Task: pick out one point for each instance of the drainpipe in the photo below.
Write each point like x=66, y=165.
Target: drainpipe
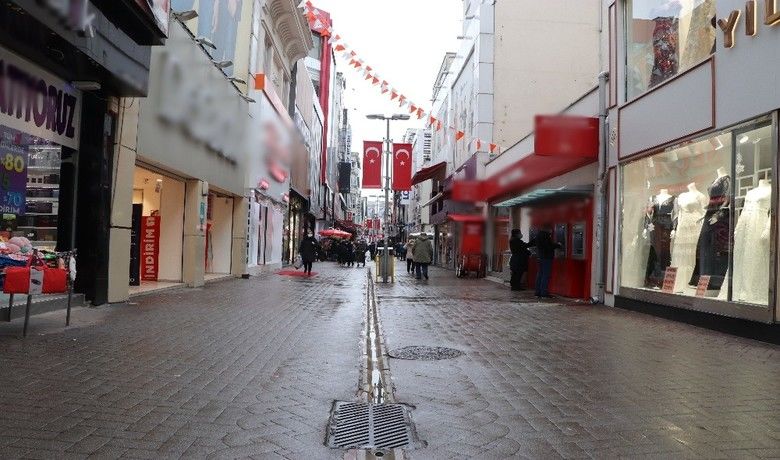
x=601, y=190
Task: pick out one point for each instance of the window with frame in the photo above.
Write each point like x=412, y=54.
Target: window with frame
x=665, y=38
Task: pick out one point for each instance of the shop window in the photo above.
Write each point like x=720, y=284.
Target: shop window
x=30, y=181
x=664, y=38
x=696, y=218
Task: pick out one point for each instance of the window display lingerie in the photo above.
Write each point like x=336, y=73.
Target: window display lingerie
x=714, y=243
x=659, y=223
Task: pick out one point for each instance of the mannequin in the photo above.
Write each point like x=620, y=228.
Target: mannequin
x=713, y=247
x=659, y=222
x=751, y=247
x=690, y=211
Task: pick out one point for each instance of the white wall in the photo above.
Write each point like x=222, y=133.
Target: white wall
x=171, y=229
x=220, y=239
x=546, y=56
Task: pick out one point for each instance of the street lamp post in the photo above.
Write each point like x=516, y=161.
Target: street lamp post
x=388, y=153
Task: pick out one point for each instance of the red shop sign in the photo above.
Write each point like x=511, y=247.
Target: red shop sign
x=150, y=247
x=566, y=135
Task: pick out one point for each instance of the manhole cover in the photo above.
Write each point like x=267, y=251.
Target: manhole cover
x=423, y=353
x=370, y=426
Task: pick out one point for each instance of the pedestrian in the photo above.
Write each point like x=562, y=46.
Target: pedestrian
x=518, y=263
x=308, y=250
x=545, y=253
x=372, y=250
x=409, y=251
x=360, y=252
x=350, y=249
x=422, y=255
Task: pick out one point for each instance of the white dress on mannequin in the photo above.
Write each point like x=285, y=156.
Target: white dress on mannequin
x=750, y=279
x=690, y=212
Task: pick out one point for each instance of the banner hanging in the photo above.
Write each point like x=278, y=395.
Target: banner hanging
x=402, y=167
x=372, y=164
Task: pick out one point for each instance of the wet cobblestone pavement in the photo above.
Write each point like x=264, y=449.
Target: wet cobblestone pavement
x=545, y=380
x=250, y=368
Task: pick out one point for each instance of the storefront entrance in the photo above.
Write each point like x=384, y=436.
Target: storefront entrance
x=219, y=229
x=156, y=248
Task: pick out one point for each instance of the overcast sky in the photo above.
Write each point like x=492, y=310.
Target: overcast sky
x=403, y=40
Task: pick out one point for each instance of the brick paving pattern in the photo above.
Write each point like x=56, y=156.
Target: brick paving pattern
x=250, y=368
x=241, y=368
x=547, y=380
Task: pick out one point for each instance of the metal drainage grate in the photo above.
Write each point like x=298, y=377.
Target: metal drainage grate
x=369, y=426
x=423, y=353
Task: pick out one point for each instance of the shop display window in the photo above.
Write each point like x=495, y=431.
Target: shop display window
x=29, y=189
x=696, y=218
x=664, y=38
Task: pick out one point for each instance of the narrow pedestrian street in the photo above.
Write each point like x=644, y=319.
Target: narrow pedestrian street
x=251, y=368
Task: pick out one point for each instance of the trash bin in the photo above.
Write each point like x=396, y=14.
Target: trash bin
x=506, y=273
x=380, y=266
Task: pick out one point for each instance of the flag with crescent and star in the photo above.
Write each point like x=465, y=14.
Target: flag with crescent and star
x=402, y=167
x=372, y=164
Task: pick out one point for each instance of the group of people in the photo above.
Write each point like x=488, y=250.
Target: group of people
x=419, y=255
x=545, y=252
x=348, y=252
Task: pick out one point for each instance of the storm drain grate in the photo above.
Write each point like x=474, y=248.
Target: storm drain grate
x=369, y=426
x=424, y=353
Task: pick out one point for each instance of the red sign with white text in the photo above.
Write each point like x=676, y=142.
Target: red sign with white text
x=372, y=164
x=402, y=167
x=150, y=247
x=566, y=135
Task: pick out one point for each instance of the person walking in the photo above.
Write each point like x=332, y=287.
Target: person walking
x=350, y=253
x=308, y=251
x=360, y=253
x=422, y=255
x=409, y=251
x=545, y=252
x=518, y=263
x=372, y=250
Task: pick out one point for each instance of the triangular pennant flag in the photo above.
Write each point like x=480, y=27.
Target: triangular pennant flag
x=393, y=95
x=479, y=144
x=353, y=53
x=375, y=81
x=431, y=121
x=352, y=62
x=493, y=148
x=368, y=76
x=420, y=114
x=369, y=68
x=340, y=48
x=401, y=101
x=438, y=125
x=337, y=37
x=384, y=89
x=412, y=108
x=459, y=135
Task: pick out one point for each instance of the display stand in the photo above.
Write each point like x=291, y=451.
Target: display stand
x=66, y=257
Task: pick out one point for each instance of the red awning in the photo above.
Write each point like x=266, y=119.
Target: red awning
x=465, y=217
x=530, y=171
x=428, y=173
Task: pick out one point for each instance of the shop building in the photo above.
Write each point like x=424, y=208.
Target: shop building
x=692, y=157
x=61, y=75
x=179, y=206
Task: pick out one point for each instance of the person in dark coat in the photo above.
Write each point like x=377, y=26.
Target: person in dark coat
x=518, y=264
x=360, y=253
x=545, y=252
x=372, y=250
x=308, y=250
x=350, y=253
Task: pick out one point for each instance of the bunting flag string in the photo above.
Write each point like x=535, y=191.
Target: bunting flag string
x=319, y=23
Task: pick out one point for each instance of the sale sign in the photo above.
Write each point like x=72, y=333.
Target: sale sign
x=13, y=181
x=150, y=247
x=670, y=276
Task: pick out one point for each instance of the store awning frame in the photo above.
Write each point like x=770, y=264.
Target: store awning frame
x=466, y=217
x=433, y=200
x=428, y=173
x=545, y=194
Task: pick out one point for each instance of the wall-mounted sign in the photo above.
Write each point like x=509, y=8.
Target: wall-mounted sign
x=150, y=247
x=13, y=181
x=670, y=275
x=37, y=103
x=566, y=135
x=729, y=25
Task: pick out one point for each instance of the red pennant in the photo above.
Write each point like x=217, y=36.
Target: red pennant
x=340, y=48
x=372, y=164
x=337, y=37
x=384, y=89
x=368, y=76
x=402, y=99
x=438, y=125
x=393, y=95
x=420, y=114
x=479, y=144
x=493, y=148
x=375, y=81
x=402, y=167
x=369, y=68
x=412, y=108
x=459, y=135
x=431, y=121
x=353, y=53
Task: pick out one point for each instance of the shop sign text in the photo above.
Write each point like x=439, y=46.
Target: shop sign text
x=729, y=25
x=150, y=247
x=13, y=182
x=36, y=103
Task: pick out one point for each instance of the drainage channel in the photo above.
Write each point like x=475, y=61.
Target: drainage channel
x=376, y=426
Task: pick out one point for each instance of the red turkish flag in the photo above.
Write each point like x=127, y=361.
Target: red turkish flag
x=402, y=167
x=372, y=164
